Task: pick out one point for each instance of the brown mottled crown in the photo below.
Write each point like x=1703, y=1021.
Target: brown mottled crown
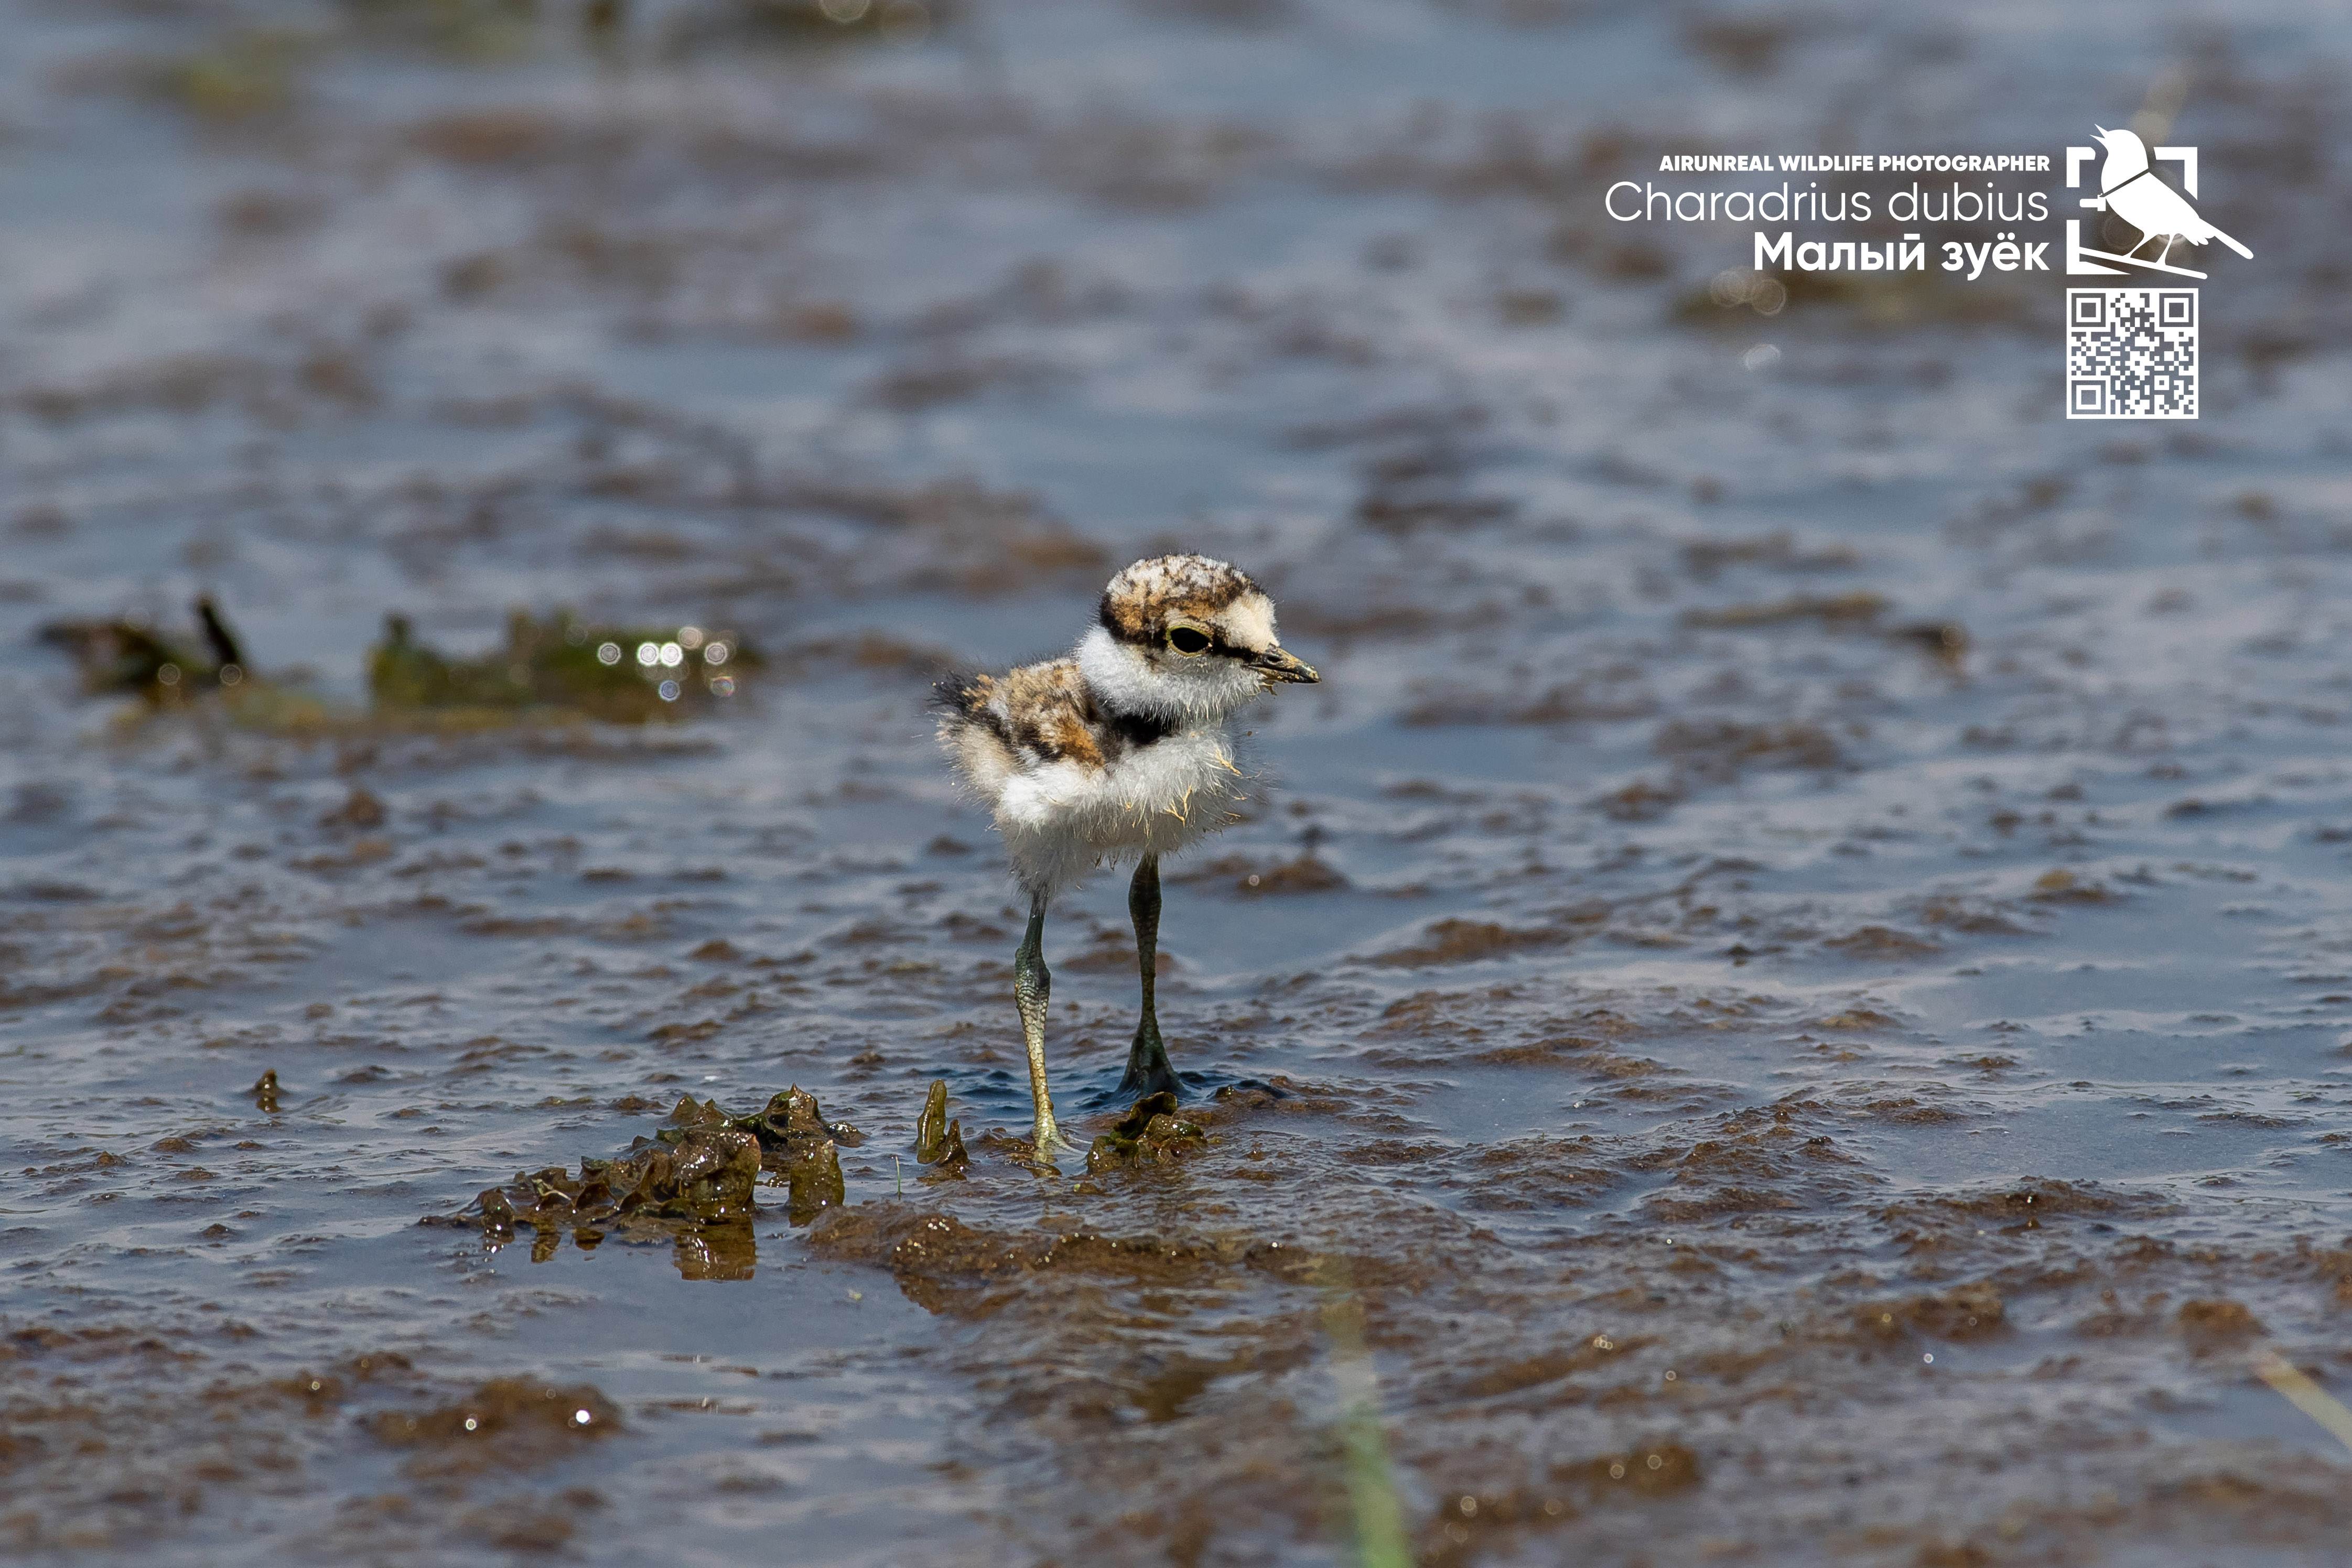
x=1137, y=604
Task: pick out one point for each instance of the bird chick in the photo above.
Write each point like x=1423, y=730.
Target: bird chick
x=1124, y=747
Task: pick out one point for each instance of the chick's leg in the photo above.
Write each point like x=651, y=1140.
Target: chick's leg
x=1148, y=1071
x=1033, y=987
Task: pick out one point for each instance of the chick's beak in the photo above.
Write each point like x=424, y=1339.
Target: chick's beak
x=1276, y=663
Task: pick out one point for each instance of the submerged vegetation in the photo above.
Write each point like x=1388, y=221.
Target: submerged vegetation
x=624, y=675
x=694, y=1182
x=556, y=668
x=123, y=657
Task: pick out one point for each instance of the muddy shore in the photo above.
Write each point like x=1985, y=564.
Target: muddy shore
x=1791, y=1003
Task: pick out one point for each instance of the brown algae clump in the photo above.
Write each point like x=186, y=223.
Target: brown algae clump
x=699, y=1173
x=161, y=668
x=939, y=1143
x=1150, y=1132
x=796, y=1141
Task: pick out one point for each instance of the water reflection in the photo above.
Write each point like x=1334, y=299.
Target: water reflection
x=720, y=1250
x=717, y=1252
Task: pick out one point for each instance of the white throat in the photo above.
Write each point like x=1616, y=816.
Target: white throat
x=1127, y=681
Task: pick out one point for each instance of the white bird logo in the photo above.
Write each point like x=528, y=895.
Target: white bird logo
x=2129, y=188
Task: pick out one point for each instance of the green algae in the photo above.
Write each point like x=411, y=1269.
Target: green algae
x=621, y=674
x=557, y=669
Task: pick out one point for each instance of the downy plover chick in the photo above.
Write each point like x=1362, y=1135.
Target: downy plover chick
x=1123, y=748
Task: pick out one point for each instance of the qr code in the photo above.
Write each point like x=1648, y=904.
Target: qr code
x=2131, y=353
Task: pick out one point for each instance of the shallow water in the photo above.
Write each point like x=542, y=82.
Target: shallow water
x=1896, y=1094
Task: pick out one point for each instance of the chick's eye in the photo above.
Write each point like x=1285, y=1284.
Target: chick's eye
x=1189, y=640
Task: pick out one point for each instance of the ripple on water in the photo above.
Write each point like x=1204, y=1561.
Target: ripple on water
x=1788, y=1001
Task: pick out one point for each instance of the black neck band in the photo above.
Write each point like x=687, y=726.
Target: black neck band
x=1140, y=729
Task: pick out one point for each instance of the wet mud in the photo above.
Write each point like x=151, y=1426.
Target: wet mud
x=1789, y=1003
